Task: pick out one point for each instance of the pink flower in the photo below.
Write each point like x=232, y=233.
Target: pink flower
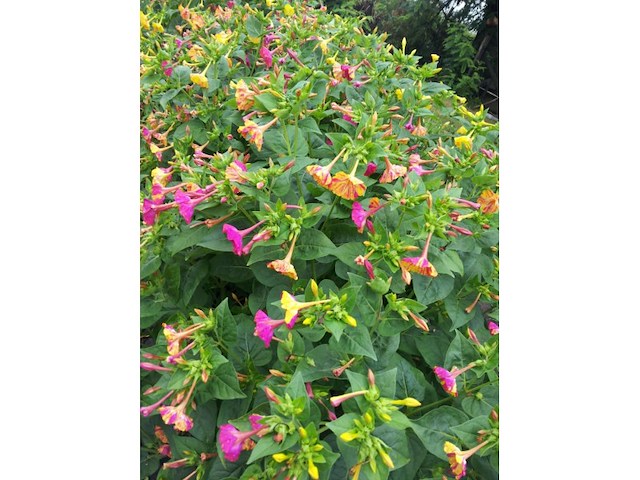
x=370, y=170
x=258, y=237
x=447, y=380
x=420, y=170
x=233, y=441
x=360, y=216
x=254, y=419
x=349, y=119
x=175, y=416
x=493, y=327
x=167, y=69
x=146, y=411
x=265, y=326
x=462, y=230
x=409, y=125
x=186, y=204
x=266, y=56
x=392, y=172
x=360, y=260
x=235, y=236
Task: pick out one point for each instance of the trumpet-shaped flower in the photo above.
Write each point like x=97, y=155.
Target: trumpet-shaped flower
x=322, y=175
x=420, y=264
x=392, y=172
x=493, y=327
x=447, y=380
x=233, y=441
x=370, y=170
x=291, y=306
x=175, y=416
x=284, y=266
x=463, y=141
x=265, y=326
x=253, y=133
x=244, y=95
x=456, y=460
x=266, y=56
x=200, y=79
x=236, y=236
x=347, y=186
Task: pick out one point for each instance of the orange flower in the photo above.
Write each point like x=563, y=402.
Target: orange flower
x=488, y=201
x=284, y=266
x=322, y=175
x=347, y=186
x=253, y=132
x=244, y=95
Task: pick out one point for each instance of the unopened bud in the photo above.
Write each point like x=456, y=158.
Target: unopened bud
x=371, y=377
x=271, y=396
x=200, y=313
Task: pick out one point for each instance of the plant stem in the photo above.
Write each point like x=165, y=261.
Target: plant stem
x=333, y=205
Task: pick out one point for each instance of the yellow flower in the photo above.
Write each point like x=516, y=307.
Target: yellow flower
x=349, y=320
x=253, y=133
x=399, y=93
x=385, y=458
x=283, y=267
x=347, y=186
x=144, y=21
x=461, y=130
x=200, y=79
x=222, y=37
x=289, y=11
x=157, y=27
x=463, y=140
x=291, y=306
x=435, y=57
x=457, y=461
x=270, y=3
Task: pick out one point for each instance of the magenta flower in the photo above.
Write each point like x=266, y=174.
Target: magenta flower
x=254, y=419
x=360, y=260
x=347, y=72
x=175, y=416
x=168, y=70
x=467, y=203
x=265, y=326
x=409, y=125
x=447, y=380
x=349, y=119
x=232, y=441
x=146, y=411
x=370, y=170
x=235, y=236
x=420, y=170
x=493, y=327
x=266, y=56
x=462, y=230
x=186, y=204
x=151, y=209
x=360, y=216
x=258, y=237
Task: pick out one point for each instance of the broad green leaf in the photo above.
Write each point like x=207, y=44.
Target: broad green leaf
x=224, y=383
x=188, y=237
x=226, y=328
x=433, y=347
x=313, y=244
x=481, y=402
x=267, y=446
x=250, y=350
x=253, y=26
x=434, y=428
x=195, y=275
x=150, y=265
x=468, y=432
x=429, y=290
x=460, y=352
x=354, y=340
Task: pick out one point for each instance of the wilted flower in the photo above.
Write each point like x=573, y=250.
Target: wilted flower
x=285, y=266
x=176, y=416
x=370, y=170
x=392, y=172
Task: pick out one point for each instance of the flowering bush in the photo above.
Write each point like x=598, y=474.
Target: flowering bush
x=319, y=260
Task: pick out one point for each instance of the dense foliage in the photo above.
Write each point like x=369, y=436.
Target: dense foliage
x=319, y=252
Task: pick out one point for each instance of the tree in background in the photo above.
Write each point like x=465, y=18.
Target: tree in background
x=463, y=33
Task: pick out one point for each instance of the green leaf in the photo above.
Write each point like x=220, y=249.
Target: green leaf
x=481, y=402
x=456, y=311
x=447, y=262
x=192, y=280
x=188, y=237
x=250, y=349
x=182, y=74
x=324, y=361
x=214, y=239
x=203, y=419
x=429, y=290
x=460, y=352
x=253, y=26
x=167, y=97
x=224, y=383
x=230, y=268
x=226, y=328
x=313, y=244
x=267, y=446
x=354, y=340
x=468, y=431
x=434, y=428
x=410, y=382
x=433, y=347
x=197, y=130
x=150, y=265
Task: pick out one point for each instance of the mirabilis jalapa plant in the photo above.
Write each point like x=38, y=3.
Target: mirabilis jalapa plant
x=319, y=252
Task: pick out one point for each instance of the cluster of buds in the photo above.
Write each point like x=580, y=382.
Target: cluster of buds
x=295, y=463
x=403, y=308
x=370, y=448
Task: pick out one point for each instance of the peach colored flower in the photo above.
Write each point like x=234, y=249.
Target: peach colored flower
x=253, y=133
x=488, y=201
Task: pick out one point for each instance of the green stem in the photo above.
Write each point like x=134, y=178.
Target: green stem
x=448, y=399
x=333, y=205
x=286, y=138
